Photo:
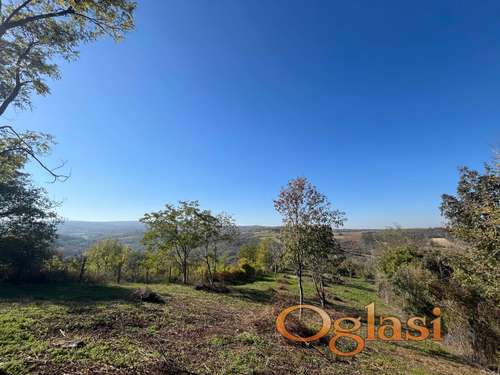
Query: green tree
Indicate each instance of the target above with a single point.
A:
(322, 248)
(263, 256)
(27, 218)
(462, 279)
(214, 230)
(108, 257)
(302, 206)
(473, 216)
(35, 33)
(16, 149)
(248, 252)
(176, 231)
(27, 228)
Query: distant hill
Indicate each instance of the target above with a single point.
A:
(76, 236)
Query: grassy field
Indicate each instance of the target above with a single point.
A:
(194, 332)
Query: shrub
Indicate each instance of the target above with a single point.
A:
(241, 273)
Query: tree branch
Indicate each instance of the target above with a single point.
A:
(15, 91)
(29, 150)
(17, 10)
(105, 28)
(5, 26)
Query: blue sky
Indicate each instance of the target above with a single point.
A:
(377, 103)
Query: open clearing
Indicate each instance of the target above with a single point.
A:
(194, 332)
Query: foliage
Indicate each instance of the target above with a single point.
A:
(462, 279)
(175, 231)
(15, 150)
(394, 258)
(322, 251)
(34, 33)
(264, 256)
(108, 257)
(302, 208)
(215, 230)
(27, 220)
(242, 272)
(248, 252)
(259, 256)
(474, 217)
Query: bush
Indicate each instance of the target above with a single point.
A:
(419, 279)
(241, 273)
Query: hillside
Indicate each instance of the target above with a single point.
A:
(82, 329)
(76, 236)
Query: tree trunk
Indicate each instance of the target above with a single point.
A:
(216, 259)
(322, 296)
(82, 269)
(316, 286)
(301, 290)
(184, 271)
(210, 275)
(119, 273)
(209, 269)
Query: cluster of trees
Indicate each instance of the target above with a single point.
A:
(181, 234)
(182, 241)
(464, 278)
(187, 241)
(264, 257)
(33, 35)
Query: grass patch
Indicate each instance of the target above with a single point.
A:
(195, 331)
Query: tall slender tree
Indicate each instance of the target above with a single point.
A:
(302, 207)
(215, 230)
(322, 250)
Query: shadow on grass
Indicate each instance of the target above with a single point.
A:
(255, 279)
(432, 351)
(359, 287)
(345, 310)
(253, 295)
(64, 293)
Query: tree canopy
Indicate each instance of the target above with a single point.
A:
(35, 32)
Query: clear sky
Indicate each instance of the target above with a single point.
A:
(377, 103)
